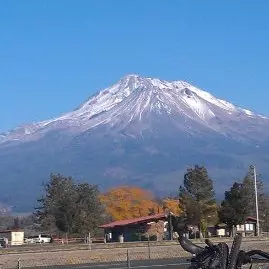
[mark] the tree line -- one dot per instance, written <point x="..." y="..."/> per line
<point x="198" y="202"/>
<point x="73" y="208"/>
<point x="69" y="207"/>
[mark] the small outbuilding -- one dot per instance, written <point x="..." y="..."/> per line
<point x="248" y="228"/>
<point x="14" y="237"/>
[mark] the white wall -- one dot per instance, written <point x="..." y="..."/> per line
<point x="17" y="238"/>
<point x="220" y="232"/>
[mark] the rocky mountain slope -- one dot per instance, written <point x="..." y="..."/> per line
<point x="141" y="131"/>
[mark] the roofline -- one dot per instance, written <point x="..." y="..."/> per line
<point x="13" y="230"/>
<point x="121" y="223"/>
<point x="250" y="217"/>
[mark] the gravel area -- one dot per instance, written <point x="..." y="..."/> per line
<point x="80" y="256"/>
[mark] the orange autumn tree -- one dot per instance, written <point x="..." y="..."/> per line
<point x="172" y="205"/>
<point x="126" y="202"/>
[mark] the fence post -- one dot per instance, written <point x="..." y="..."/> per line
<point x="89" y="241"/>
<point x="149" y="250"/>
<point x="66" y="238"/>
<point x="19" y="264"/>
<point x="128" y="260"/>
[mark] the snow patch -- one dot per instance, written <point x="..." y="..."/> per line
<point x="248" y="112"/>
<point x="132" y="98"/>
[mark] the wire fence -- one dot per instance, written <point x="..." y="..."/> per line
<point x="126" y="254"/>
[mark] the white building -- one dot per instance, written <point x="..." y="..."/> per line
<point x="15" y="237"/>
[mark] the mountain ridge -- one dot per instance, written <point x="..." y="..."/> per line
<point x="140" y="131"/>
<point x="161" y="90"/>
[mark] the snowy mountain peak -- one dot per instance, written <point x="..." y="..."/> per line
<point x="140" y="130"/>
<point x="175" y="90"/>
<point x="135" y="98"/>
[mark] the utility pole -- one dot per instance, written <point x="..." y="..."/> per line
<point x="256" y="199"/>
<point x="170" y="226"/>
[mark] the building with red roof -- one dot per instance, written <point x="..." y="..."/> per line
<point x="153" y="227"/>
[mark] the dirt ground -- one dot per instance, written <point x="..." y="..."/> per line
<point x="67" y="257"/>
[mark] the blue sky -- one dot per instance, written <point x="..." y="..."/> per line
<point x="55" y="54"/>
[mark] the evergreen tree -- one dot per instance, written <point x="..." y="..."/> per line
<point x="263" y="202"/>
<point x="197" y="198"/>
<point x="233" y="209"/>
<point x="57" y="207"/>
<point x="265" y="215"/>
<point x="89" y="211"/>
<point x="16" y="224"/>
<point x="68" y="207"/>
<point x="249" y="186"/>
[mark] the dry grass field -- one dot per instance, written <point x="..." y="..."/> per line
<point x="81" y="254"/>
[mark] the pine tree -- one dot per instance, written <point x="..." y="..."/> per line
<point x="197" y="198"/>
<point x="263" y="199"/>
<point x="233" y="209"/>
<point x="89" y="211"/>
<point x="265" y="215"/>
<point x="68" y="207"/>
<point x="249" y="192"/>
<point x="16" y="224"/>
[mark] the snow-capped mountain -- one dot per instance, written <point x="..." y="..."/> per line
<point x="142" y="131"/>
<point x="134" y="99"/>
